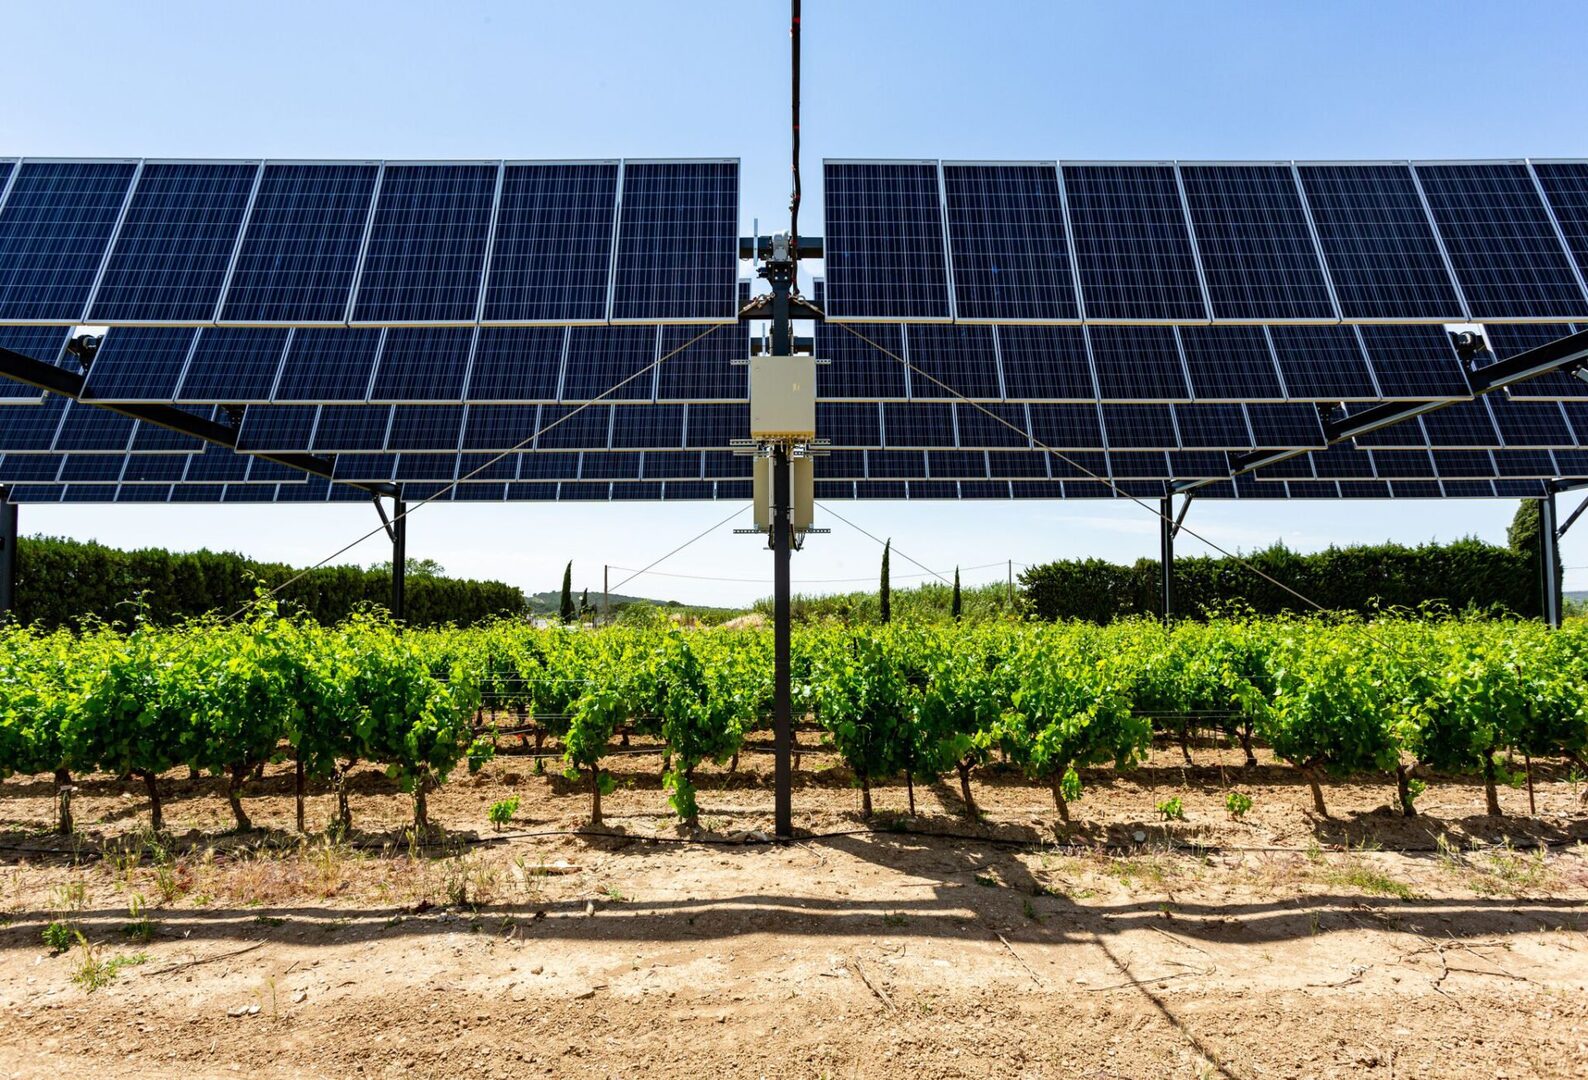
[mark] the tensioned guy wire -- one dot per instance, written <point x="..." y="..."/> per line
<point x="492" y="461"/>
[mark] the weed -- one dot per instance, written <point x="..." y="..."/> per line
<point x="270" y="920"/>
<point x="895" y="918"/>
<point x="93" y="973"/>
<point x="1238" y="803"/>
<point x="1028" y="909"/>
<point x="613" y="894"/>
<point x="58" y="936"/>
<point x="986" y="881"/>
<point x="1171" y="810"/>
<point x="1359" y="875"/>
<point x="501" y="813"/>
<point x="141" y="928"/>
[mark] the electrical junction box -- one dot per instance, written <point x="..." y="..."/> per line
<point x="783" y="398"/>
<point x="802" y="486"/>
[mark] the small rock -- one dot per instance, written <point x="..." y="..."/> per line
<point x="585" y="994"/>
<point x="300" y="997"/>
<point x="537" y="969"/>
<point x="1139" y="836"/>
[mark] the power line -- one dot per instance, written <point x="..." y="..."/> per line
<point x="802" y="581"/>
<point x="682" y="546"/>
<point x="885" y="544"/>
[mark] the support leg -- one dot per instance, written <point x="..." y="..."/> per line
<point x="8" y="555"/>
<point x="1549" y="561"/>
<point x="782" y="714"/>
<point x="1166" y="557"/>
<point x="399" y="557"/>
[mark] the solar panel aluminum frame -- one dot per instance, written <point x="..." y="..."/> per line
<point x="1312" y="231"/>
<point x="369" y="232"/>
<point x="612" y="256"/>
<point x="617" y="241"/>
<point x="948" y="241"/>
<point x="1549" y="212"/>
<point x="248" y="220"/>
<point x="947" y="267"/>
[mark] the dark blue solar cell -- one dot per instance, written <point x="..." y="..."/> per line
<point x="703" y="370"/>
<point x="540" y="465"/>
<point x="956" y="464"/>
<point x="1131" y="244"/>
<point x="426" y="252"/>
<point x="1520" y="489"/>
<point x="551" y="260"/>
<point x="1018" y="464"/>
<point x="418" y="468"/>
<point x="1076" y="464"/>
<point x="1572" y="462"/>
<point x="1565" y="185"/>
<point x="1405" y="433"/>
<point x="1462" y="424"/>
<point x="32" y="430"/>
<point x="301" y="244"/>
<point x="615" y="363"/>
<point x="1501" y="242"/>
<point x="171" y="255"/>
<point x="1036" y="489"/>
<point x="1279" y="425"/>
<point x="351" y="428"/>
<point x="1140" y="427"/>
<point x="1007" y="248"/>
<point x="918" y="426"/>
<point x="30" y="468"/>
<point x="1294" y="468"/>
<point x="139" y="363"/>
<point x="500" y="427"/>
<point x="37" y="493"/>
<point x="1509" y="339"/>
<point x="648" y="427"/>
<point x="234" y="365"/>
<point x="1529" y="463"/>
<point x="43" y="343"/>
<point x="993" y="427"/>
<point x="609" y="467"/>
<point x="953" y="361"/>
<point x="1067" y="427"/>
<point x="1342" y="462"/>
<point x="422" y="364"/>
<point x="1321" y="489"/>
<point x="1416" y="362"/>
<point x="425" y="427"/>
<point x="1403" y="464"/>
<point x="1257" y="249"/>
<point x="279" y="428"/>
<point x="933" y="489"/>
<point x="149" y="438"/>
<point x="1138" y="363"/>
<point x="991" y="489"/>
<point x="860" y="367"/>
<point x="1133" y="465"/>
<point x="1530" y="423"/>
<point x="683" y="465"/>
<point x="678" y="242"/>
<point x="597" y="492"/>
<point x="586" y="427"/>
<point x="841" y="465"/>
<point x="719" y="464"/>
<point x="483" y="468"/>
<point x="1213" y="427"/>
<point x="1381" y="251"/>
<point x="633" y="492"/>
<point x="1230" y="363"/>
<point x="364" y="468"/>
<point x="1198" y="464"/>
<point x="895" y="464"/>
<point x="261" y="471"/>
<point x="519" y="364"/>
<point x="1322" y="363"/>
<point x="883" y="251"/>
<point x="688" y="490"/>
<point x="217" y="465"/>
<point x="54" y="228"/>
<point x="328" y="366"/>
<point x="1463" y="465"/>
<point x="314" y="489"/>
<point x="849" y="423"/>
<point x="882" y="489"/>
<point x="87" y="430"/>
<point x="1046" y="363"/>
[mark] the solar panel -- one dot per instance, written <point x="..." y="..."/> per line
<point x="551" y="260"/>
<point x="1501" y="242"/>
<point x="139" y="363"/>
<point x="1213" y="427"/>
<point x="277" y="428"/>
<point x="1067" y="427"/>
<point x="859" y="369"/>
<point x="883" y="252"/>
<point x="610" y="362"/>
<point x="1529" y="463"/>
<point x="55" y="226"/>
<point x="1007" y="245"/>
<point x="1508" y="339"/>
<point x="1017" y="464"/>
<point x="425" y="427"/>
<point x="499" y="427"/>
<point x="148" y="438"/>
<point x="422" y="364"/>
<point x="609" y="467"/>
<point x="1132" y="247"/>
<point x="918" y="426"/>
<point x="1415" y="362"/>
<point x="169" y="259"/>
<point x="1285" y="425"/>
<point x="849" y="423"/>
<point x="1463" y="464"/>
<point x="351" y="429"/>
<point x="658" y="427"/>
<point x="1077" y="464"/>
<point x="543" y="466"/>
<point x="424" y="260"/>
<point x="1462" y="424"/>
<point x="1256" y="244"/>
<point x="301" y="244"/>
<point x="1046" y="363"/>
<point x="481" y="468"/>
<point x="1133" y="466"/>
<point x="517" y="365"/>
<point x="956" y="464"/>
<point x="234" y="365"/>
<point x="895" y="464"/>
<point x="1530" y="423"/>
<point x="705" y="369"/>
<point x="1323" y="363"/>
<point x="1138" y="363"/>
<point x="1565" y="188"/>
<point x="1198" y="464"/>
<point x="364" y="468"/>
<point x="586" y="427"/>
<point x="685" y="465"/>
<point x="327" y="366"/>
<point x="1230" y="363"/>
<point x="1382" y="255"/>
<point x="720" y="463"/>
<point x="1140" y="427"/>
<point x="678" y="242"/>
<point x="44" y="343"/>
<point x="87" y="430"/>
<point x="411" y="468"/>
<point x="216" y="465"/>
<point x="1403" y="464"/>
<point x="962" y="360"/>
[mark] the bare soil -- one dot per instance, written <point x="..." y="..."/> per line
<point x="1448" y="945"/>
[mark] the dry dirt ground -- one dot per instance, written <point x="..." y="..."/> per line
<point x="1451" y="945"/>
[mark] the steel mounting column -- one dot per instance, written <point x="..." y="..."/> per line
<point x="399" y="556"/>
<point x="1166" y="530"/>
<point x="1549" y="562"/>
<point x="8" y="554"/>
<point x="780" y="275"/>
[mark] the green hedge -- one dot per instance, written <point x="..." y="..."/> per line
<point x="1465" y="575"/>
<point x="62" y="582"/>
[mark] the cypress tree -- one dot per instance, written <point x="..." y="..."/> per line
<point x="566" y="611"/>
<point x="887" y="600"/>
<point x="955" y="606"/>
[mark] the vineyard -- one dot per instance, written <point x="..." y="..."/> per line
<point x="1407" y="699"/>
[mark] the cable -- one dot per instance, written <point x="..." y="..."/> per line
<point x="384" y="525"/>
<point x="794" y="96"/>
<point x="1109" y="482"/>
<point x="886" y="544"/>
<point x="801" y="581"/>
<point x="681" y="547"/>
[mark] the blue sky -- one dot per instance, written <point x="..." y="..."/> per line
<point x="1031" y="80"/>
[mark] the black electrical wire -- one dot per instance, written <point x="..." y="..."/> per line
<point x="794" y="199"/>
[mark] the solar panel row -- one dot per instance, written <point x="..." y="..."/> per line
<point x="250" y="243"/>
<point x="1229" y="242"/>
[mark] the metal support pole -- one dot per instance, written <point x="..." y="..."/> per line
<point x="1166" y="556"/>
<point x="399" y="556"/>
<point x="1549" y="561"/>
<point x="8" y="555"/>
<point x="783" y="708"/>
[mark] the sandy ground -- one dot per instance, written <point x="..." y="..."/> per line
<point x="1451" y="945"/>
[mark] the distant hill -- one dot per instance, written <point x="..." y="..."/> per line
<point x="548" y="603"/>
